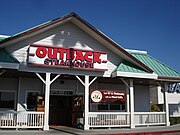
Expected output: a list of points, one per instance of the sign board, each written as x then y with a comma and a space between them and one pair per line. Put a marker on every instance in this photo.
67, 58
96, 96
174, 88
107, 96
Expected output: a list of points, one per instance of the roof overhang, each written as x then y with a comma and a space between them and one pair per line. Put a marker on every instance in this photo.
169, 79
9, 65
135, 75
33, 31
145, 76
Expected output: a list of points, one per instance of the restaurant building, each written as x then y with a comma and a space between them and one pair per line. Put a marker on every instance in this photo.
67, 72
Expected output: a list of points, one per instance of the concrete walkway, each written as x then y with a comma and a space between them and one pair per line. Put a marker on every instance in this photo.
171, 130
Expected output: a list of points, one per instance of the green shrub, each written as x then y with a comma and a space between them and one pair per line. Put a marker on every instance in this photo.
155, 108
174, 120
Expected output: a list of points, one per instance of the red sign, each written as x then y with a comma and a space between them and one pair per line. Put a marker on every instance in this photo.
67, 57
107, 95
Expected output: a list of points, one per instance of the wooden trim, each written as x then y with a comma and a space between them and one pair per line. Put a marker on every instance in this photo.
9, 65
135, 75
169, 78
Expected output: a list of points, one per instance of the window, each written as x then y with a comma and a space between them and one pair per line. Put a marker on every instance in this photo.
108, 106
32, 100
102, 107
7, 99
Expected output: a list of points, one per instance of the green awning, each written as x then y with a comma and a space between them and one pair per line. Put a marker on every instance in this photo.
157, 66
7, 60
126, 69
125, 66
161, 70
6, 57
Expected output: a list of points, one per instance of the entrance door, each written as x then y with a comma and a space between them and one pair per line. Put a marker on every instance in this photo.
60, 112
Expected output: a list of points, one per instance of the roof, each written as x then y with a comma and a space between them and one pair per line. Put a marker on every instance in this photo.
141, 62
7, 60
6, 57
50, 24
126, 69
162, 70
2, 37
125, 66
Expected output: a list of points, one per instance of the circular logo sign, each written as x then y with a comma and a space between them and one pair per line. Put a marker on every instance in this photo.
96, 96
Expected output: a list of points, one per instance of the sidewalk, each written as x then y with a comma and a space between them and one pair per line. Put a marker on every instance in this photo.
159, 130
175, 129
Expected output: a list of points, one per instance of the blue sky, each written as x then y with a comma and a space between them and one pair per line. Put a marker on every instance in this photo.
152, 25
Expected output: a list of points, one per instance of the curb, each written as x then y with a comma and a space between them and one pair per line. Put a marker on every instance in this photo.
148, 133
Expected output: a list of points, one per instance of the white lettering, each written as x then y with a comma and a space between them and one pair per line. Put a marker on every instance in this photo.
174, 88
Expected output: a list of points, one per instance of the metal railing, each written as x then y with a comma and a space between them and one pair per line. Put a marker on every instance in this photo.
149, 118
27, 119
108, 119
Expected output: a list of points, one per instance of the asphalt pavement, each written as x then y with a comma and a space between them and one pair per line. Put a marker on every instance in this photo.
158, 130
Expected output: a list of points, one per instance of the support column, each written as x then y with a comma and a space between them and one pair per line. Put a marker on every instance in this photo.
18, 95
47, 94
48, 83
86, 98
132, 124
86, 103
127, 104
127, 99
166, 106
